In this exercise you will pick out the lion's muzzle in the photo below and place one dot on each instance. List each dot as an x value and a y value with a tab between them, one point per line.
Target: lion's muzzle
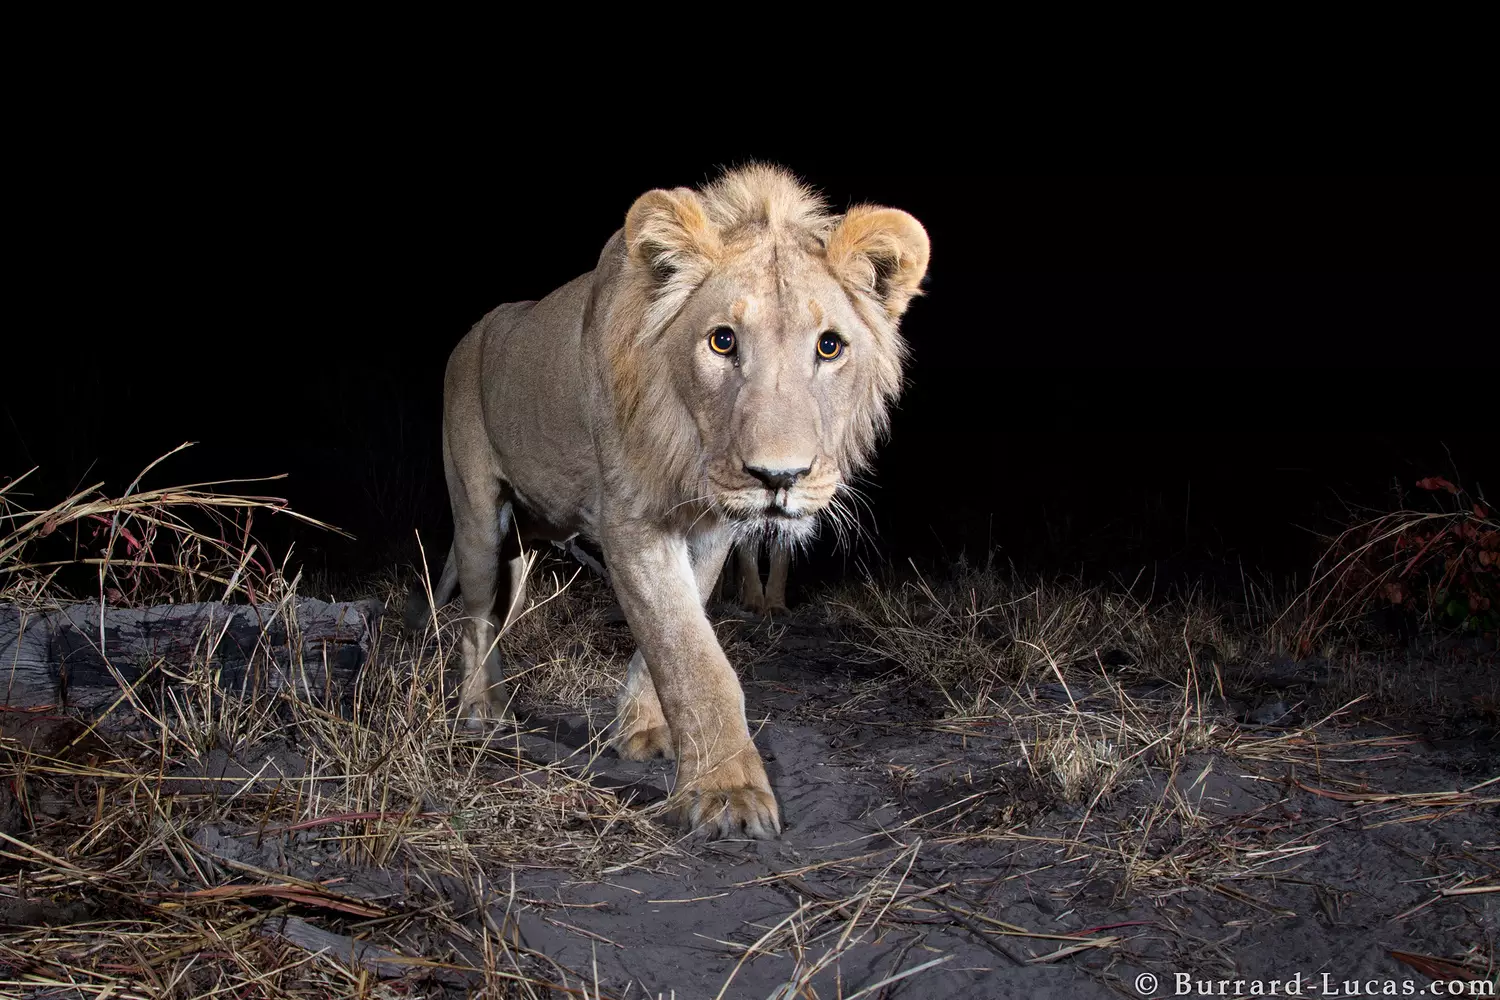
777	480
783	495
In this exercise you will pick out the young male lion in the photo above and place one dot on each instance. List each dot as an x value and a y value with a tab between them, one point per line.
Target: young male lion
718	376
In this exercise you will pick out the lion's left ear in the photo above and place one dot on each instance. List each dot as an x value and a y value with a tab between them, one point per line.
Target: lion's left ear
882	251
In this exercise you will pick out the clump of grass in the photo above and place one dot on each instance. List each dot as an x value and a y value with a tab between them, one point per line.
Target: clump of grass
145	546
1058	660
1105	693
981	633
1077	763
565	648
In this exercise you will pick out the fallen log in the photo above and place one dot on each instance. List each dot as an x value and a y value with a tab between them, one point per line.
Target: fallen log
69	657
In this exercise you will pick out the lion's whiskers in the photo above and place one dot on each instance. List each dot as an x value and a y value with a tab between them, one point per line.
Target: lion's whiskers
844	517
709	498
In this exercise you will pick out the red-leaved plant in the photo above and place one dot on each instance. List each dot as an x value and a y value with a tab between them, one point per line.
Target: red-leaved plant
1442	566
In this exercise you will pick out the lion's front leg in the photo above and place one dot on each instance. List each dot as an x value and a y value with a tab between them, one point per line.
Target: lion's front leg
722	788
641	730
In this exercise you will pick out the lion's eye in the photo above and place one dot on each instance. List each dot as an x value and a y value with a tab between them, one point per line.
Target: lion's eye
830	346
721	340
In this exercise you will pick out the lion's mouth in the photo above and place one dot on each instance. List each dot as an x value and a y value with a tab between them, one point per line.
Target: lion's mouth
762	505
787	505
779	504
784	507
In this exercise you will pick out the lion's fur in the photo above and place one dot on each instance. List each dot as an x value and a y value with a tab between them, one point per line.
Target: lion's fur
600	410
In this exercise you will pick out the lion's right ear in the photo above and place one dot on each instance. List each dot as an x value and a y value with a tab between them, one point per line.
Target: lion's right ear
668	233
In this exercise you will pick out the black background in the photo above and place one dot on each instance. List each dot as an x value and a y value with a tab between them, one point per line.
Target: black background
1109	371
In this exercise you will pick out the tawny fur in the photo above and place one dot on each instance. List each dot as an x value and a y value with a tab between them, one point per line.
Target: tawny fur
602	410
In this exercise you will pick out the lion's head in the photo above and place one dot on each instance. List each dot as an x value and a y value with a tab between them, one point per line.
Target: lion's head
754	346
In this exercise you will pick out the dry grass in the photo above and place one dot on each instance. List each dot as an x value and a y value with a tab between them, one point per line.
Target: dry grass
566	647
1055	660
983	631
133	852
181	543
821	929
1109	699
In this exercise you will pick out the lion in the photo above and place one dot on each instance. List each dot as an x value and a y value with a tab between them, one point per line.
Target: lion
718	376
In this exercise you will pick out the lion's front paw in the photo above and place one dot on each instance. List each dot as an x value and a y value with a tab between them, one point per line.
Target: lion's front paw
753	603
733	812
777	608
732	800
645	743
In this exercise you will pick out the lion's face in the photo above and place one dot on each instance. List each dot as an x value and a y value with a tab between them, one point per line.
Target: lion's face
774	360
758	351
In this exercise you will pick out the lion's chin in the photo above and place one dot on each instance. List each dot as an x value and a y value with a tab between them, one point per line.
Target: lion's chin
790	516
786	528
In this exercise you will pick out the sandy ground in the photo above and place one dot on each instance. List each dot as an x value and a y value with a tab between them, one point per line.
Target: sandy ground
1271	879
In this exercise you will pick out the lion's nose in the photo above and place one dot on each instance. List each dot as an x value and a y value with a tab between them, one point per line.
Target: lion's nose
777	479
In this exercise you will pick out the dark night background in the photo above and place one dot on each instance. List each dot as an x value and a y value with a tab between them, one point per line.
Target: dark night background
1178	372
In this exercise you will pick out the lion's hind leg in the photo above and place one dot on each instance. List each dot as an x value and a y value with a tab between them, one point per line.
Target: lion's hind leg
752	596
477	543
781	558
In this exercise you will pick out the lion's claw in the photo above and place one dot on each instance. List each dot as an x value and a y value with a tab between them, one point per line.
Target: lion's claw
732	798
738	812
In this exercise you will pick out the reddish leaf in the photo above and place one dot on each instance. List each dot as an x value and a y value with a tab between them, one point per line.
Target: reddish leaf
130	542
1436	483
1480	512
